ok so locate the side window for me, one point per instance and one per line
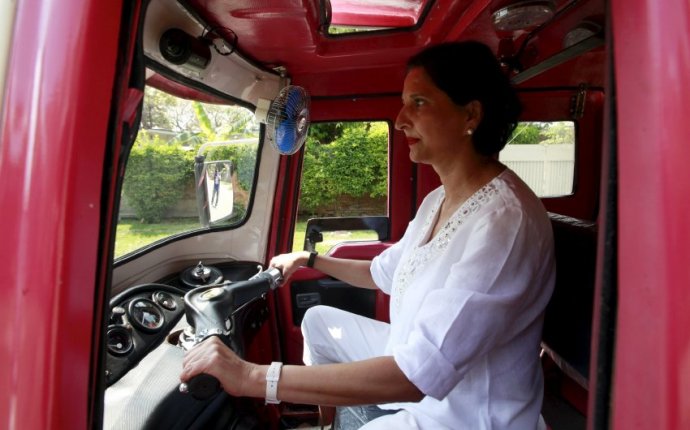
(543, 155)
(191, 166)
(344, 185)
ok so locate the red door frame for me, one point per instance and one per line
(651, 384)
(52, 153)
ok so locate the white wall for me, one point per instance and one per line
(547, 169)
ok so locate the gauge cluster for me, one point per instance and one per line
(144, 315)
(140, 320)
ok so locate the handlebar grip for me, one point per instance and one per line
(202, 387)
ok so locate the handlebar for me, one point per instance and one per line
(201, 387)
(209, 309)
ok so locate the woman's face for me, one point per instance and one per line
(434, 125)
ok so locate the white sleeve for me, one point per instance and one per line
(497, 287)
(383, 265)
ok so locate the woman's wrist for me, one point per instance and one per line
(304, 258)
(257, 380)
(264, 382)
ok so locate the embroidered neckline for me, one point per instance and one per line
(421, 254)
(470, 206)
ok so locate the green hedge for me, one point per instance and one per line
(157, 172)
(340, 159)
(155, 176)
(353, 163)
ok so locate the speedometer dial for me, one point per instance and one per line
(146, 315)
(165, 299)
(119, 340)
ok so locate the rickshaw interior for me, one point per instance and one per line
(349, 56)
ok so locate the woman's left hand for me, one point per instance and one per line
(289, 263)
(214, 358)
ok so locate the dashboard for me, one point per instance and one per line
(143, 316)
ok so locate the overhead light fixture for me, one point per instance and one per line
(584, 30)
(523, 15)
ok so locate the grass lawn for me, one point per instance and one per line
(132, 234)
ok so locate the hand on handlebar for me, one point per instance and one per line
(212, 357)
(289, 263)
(210, 364)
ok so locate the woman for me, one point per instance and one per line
(468, 281)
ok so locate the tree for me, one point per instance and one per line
(560, 132)
(354, 164)
(211, 122)
(527, 133)
(545, 133)
(230, 122)
(166, 112)
(326, 132)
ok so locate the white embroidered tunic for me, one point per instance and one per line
(467, 307)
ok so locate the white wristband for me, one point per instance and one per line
(272, 378)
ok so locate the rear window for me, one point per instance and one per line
(543, 155)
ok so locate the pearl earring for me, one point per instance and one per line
(469, 132)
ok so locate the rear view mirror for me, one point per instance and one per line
(224, 174)
(214, 190)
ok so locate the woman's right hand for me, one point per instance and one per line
(289, 263)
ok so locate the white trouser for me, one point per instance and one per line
(335, 336)
(332, 335)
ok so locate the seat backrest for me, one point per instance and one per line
(568, 321)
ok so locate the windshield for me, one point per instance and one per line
(192, 166)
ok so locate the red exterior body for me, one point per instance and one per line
(50, 188)
(55, 117)
(652, 358)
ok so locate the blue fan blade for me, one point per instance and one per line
(285, 136)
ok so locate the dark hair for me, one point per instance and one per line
(468, 71)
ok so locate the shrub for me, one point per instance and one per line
(155, 176)
(353, 164)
